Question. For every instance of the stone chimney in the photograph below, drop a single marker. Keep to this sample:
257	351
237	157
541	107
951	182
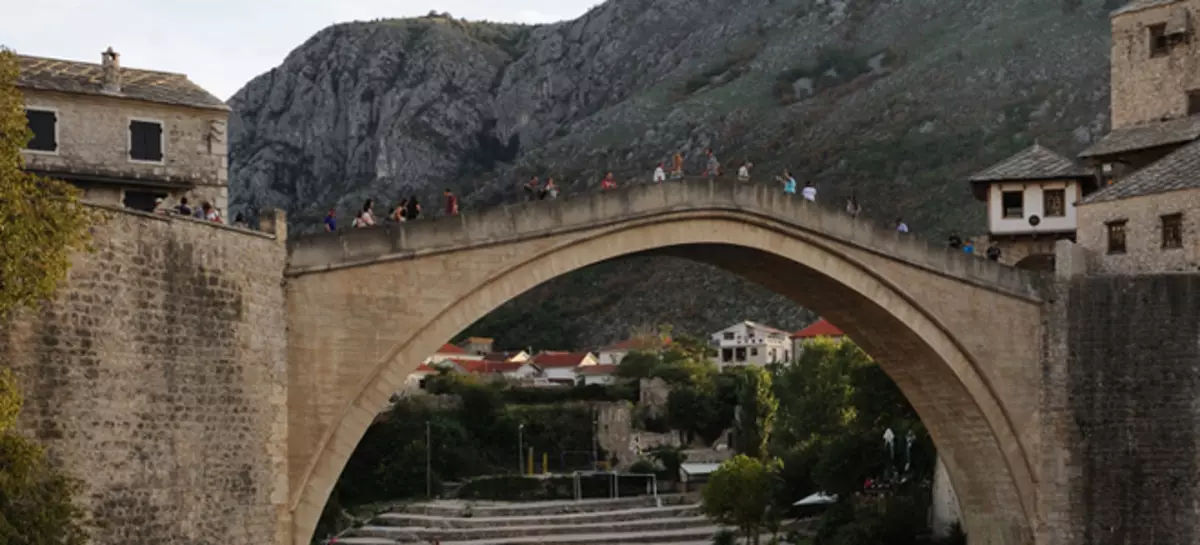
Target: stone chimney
110	61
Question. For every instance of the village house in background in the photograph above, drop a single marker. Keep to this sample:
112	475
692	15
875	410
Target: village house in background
1031	199
750	343
125	136
614	353
560	367
818	329
478	345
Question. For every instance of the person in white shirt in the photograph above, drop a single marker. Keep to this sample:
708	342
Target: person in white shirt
901	226
744	172
659	173
368	213
809	192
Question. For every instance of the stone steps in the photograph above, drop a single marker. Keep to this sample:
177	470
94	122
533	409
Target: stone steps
446	535
700	533
638	513
458	508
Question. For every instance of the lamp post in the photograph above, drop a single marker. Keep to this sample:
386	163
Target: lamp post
521	449
428	462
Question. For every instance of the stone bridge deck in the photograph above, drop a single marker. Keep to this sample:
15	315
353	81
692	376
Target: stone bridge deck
509	223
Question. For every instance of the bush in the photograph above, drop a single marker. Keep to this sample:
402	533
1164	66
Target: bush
643	466
724	537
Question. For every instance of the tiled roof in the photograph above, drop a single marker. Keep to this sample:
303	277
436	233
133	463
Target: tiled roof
1180	169
425	368
450	349
559	359
764	327
638	343
596	370
1033	163
821	328
1142	4
1146	136
86	78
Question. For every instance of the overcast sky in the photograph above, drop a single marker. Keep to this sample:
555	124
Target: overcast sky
221	44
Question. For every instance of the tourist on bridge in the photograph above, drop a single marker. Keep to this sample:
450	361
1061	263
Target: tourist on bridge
183	209
608	182
809	192
955	242
744	171
240	221
531	187
331	221
414	209
714	166
659	174
677	170
901	226
400	214
993	251
451	202
210	213
852	206
789	183
368	213
969	247
550	191
359	222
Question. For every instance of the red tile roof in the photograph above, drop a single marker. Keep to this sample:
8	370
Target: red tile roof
559	359
425	368
821	328
499	356
450	349
596	370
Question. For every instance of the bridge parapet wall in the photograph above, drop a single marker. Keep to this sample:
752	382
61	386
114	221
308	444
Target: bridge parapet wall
646	203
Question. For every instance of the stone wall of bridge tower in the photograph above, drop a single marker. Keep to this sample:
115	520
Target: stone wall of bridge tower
158	377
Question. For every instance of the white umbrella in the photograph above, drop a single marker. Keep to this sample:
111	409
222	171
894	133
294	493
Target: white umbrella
820	498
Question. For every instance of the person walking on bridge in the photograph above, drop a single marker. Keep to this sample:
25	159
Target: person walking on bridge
744	171
608	182
809	191
451	202
714	166
677	167
659	174
789	183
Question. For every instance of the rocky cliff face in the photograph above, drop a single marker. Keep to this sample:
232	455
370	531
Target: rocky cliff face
891	100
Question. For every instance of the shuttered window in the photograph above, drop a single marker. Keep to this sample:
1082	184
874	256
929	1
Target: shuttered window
42	123
145	141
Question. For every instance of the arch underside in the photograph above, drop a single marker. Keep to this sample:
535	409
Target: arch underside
986	463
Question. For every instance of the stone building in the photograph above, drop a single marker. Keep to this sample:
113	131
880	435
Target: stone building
1144	218
1031	199
126	136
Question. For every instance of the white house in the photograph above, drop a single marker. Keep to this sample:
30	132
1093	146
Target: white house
602	374
614	353
1031	200
560	367
751	343
819	328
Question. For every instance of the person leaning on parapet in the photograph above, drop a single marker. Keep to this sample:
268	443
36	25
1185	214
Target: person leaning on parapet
550	191
713	168
331	221
608	182
788	181
852	206
659	174
809	191
183	209
901	227
744	171
531	187
677	166
451	202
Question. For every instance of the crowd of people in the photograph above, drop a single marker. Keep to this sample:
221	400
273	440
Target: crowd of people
409	209
206	212
968	247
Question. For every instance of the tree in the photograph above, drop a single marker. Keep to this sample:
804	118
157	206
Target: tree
671	458
740	494
42	221
756	413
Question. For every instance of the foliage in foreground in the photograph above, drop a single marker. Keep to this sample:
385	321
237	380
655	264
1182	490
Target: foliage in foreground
42	221
741	493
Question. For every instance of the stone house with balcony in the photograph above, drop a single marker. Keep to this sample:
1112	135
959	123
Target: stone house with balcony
750	343
125	136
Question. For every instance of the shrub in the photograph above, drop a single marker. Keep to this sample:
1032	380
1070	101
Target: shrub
724	537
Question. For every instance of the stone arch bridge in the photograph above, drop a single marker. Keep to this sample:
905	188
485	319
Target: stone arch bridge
961	336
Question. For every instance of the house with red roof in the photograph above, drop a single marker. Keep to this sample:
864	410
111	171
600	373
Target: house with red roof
614	353
818	329
559	367
449	351
601	373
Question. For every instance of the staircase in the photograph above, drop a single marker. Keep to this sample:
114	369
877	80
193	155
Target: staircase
674	519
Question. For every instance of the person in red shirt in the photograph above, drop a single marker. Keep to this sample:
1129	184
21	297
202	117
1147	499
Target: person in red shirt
608	182
451	203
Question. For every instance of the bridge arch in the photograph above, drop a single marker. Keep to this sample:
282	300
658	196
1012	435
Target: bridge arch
983	448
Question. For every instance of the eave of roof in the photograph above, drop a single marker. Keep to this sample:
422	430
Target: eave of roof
1145	136
84	78
1175	172
1033	163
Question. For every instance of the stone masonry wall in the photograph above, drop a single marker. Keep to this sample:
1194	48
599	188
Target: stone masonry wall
1120	413
1143	233
1146	88
93	138
158	376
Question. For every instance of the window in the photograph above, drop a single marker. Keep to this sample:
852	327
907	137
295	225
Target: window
1054	203
728	335
753	351
44	124
1116	237
740	354
1013	204
1159	45
145	141
726	355
1172	231
1193	98
141	200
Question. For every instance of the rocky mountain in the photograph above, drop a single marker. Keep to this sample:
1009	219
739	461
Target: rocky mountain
891	100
